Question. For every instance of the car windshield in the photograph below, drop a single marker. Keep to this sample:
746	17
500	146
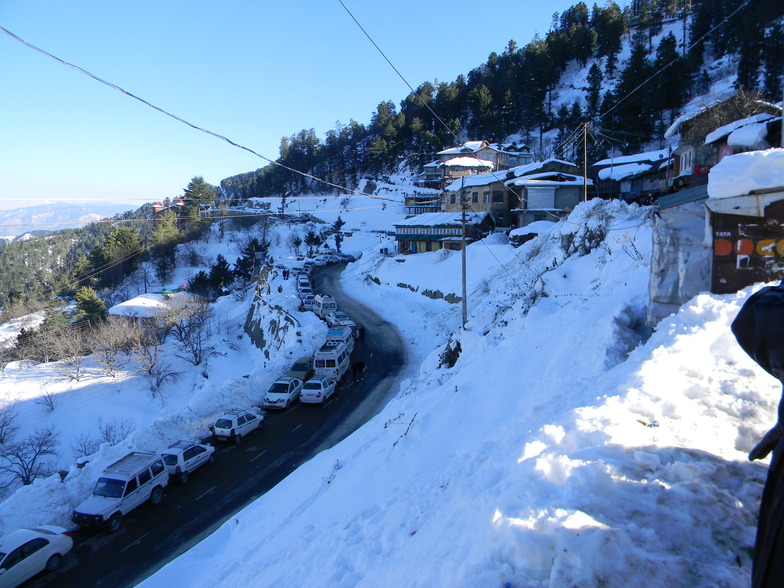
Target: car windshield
223	424
109	487
313	386
169	459
299	367
278	388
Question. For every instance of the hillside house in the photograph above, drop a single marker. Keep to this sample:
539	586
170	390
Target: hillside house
546	196
482	193
470	158
641	177
440	230
722	236
695	156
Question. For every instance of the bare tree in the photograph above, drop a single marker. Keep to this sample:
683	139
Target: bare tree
84	444
73	346
115	431
27	460
7	422
147	353
47	399
114	337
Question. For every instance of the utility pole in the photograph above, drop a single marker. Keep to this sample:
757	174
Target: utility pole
585	161
463	206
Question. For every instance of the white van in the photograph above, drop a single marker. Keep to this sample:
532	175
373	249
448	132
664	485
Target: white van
332	360
342	334
323	305
124	485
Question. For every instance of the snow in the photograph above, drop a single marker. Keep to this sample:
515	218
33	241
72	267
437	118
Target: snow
467	162
475	180
567	446
725	130
748	136
620	172
537	459
744	173
647	157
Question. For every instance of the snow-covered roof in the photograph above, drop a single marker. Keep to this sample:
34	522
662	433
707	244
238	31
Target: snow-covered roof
727	129
649	156
467	162
476	180
550	179
433	164
467	147
527	169
440	219
538	227
145	305
696	107
745	173
621	172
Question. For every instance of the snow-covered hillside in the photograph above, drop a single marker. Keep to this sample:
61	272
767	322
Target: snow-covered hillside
564	447
563	444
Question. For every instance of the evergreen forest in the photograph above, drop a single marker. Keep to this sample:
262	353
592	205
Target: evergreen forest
514	93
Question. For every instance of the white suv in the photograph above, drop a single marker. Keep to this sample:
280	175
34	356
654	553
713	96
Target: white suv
122	487
236	424
184	457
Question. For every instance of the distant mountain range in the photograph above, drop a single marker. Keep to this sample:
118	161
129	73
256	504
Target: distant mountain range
55	216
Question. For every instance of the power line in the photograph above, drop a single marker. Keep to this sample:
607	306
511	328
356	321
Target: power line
174	116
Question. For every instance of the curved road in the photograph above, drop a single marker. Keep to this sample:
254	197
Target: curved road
153	536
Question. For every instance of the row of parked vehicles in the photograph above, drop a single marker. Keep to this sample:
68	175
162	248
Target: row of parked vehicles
140	477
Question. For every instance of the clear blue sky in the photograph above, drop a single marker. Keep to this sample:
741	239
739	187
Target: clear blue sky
252	71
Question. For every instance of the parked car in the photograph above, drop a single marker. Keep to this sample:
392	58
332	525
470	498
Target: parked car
302	368
235	424
305	291
283	392
124	485
27	552
346	257
339	318
308	300
184	457
308	265
317	390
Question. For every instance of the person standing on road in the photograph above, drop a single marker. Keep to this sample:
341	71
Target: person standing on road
357	368
361	334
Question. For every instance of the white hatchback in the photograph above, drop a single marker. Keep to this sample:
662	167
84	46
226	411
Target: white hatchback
27	552
184	457
235	424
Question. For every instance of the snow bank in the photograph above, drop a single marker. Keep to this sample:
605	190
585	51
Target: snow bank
744	173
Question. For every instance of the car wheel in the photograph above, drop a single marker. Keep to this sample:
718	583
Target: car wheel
237	439
156	496
115	522
53	563
183	477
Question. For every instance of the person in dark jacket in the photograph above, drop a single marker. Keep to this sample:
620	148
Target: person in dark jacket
759	330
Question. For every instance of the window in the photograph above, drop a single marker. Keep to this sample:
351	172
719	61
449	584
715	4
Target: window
131	487
453	199
145	477
486	197
32	546
475	197
498	196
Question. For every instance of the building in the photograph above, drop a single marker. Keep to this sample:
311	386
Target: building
440	230
641	177
695	155
482	193
545	196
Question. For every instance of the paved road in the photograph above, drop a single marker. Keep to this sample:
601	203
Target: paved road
152	536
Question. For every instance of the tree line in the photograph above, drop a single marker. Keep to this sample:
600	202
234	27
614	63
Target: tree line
514	92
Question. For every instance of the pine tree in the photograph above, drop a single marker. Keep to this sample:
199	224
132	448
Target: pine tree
91	308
